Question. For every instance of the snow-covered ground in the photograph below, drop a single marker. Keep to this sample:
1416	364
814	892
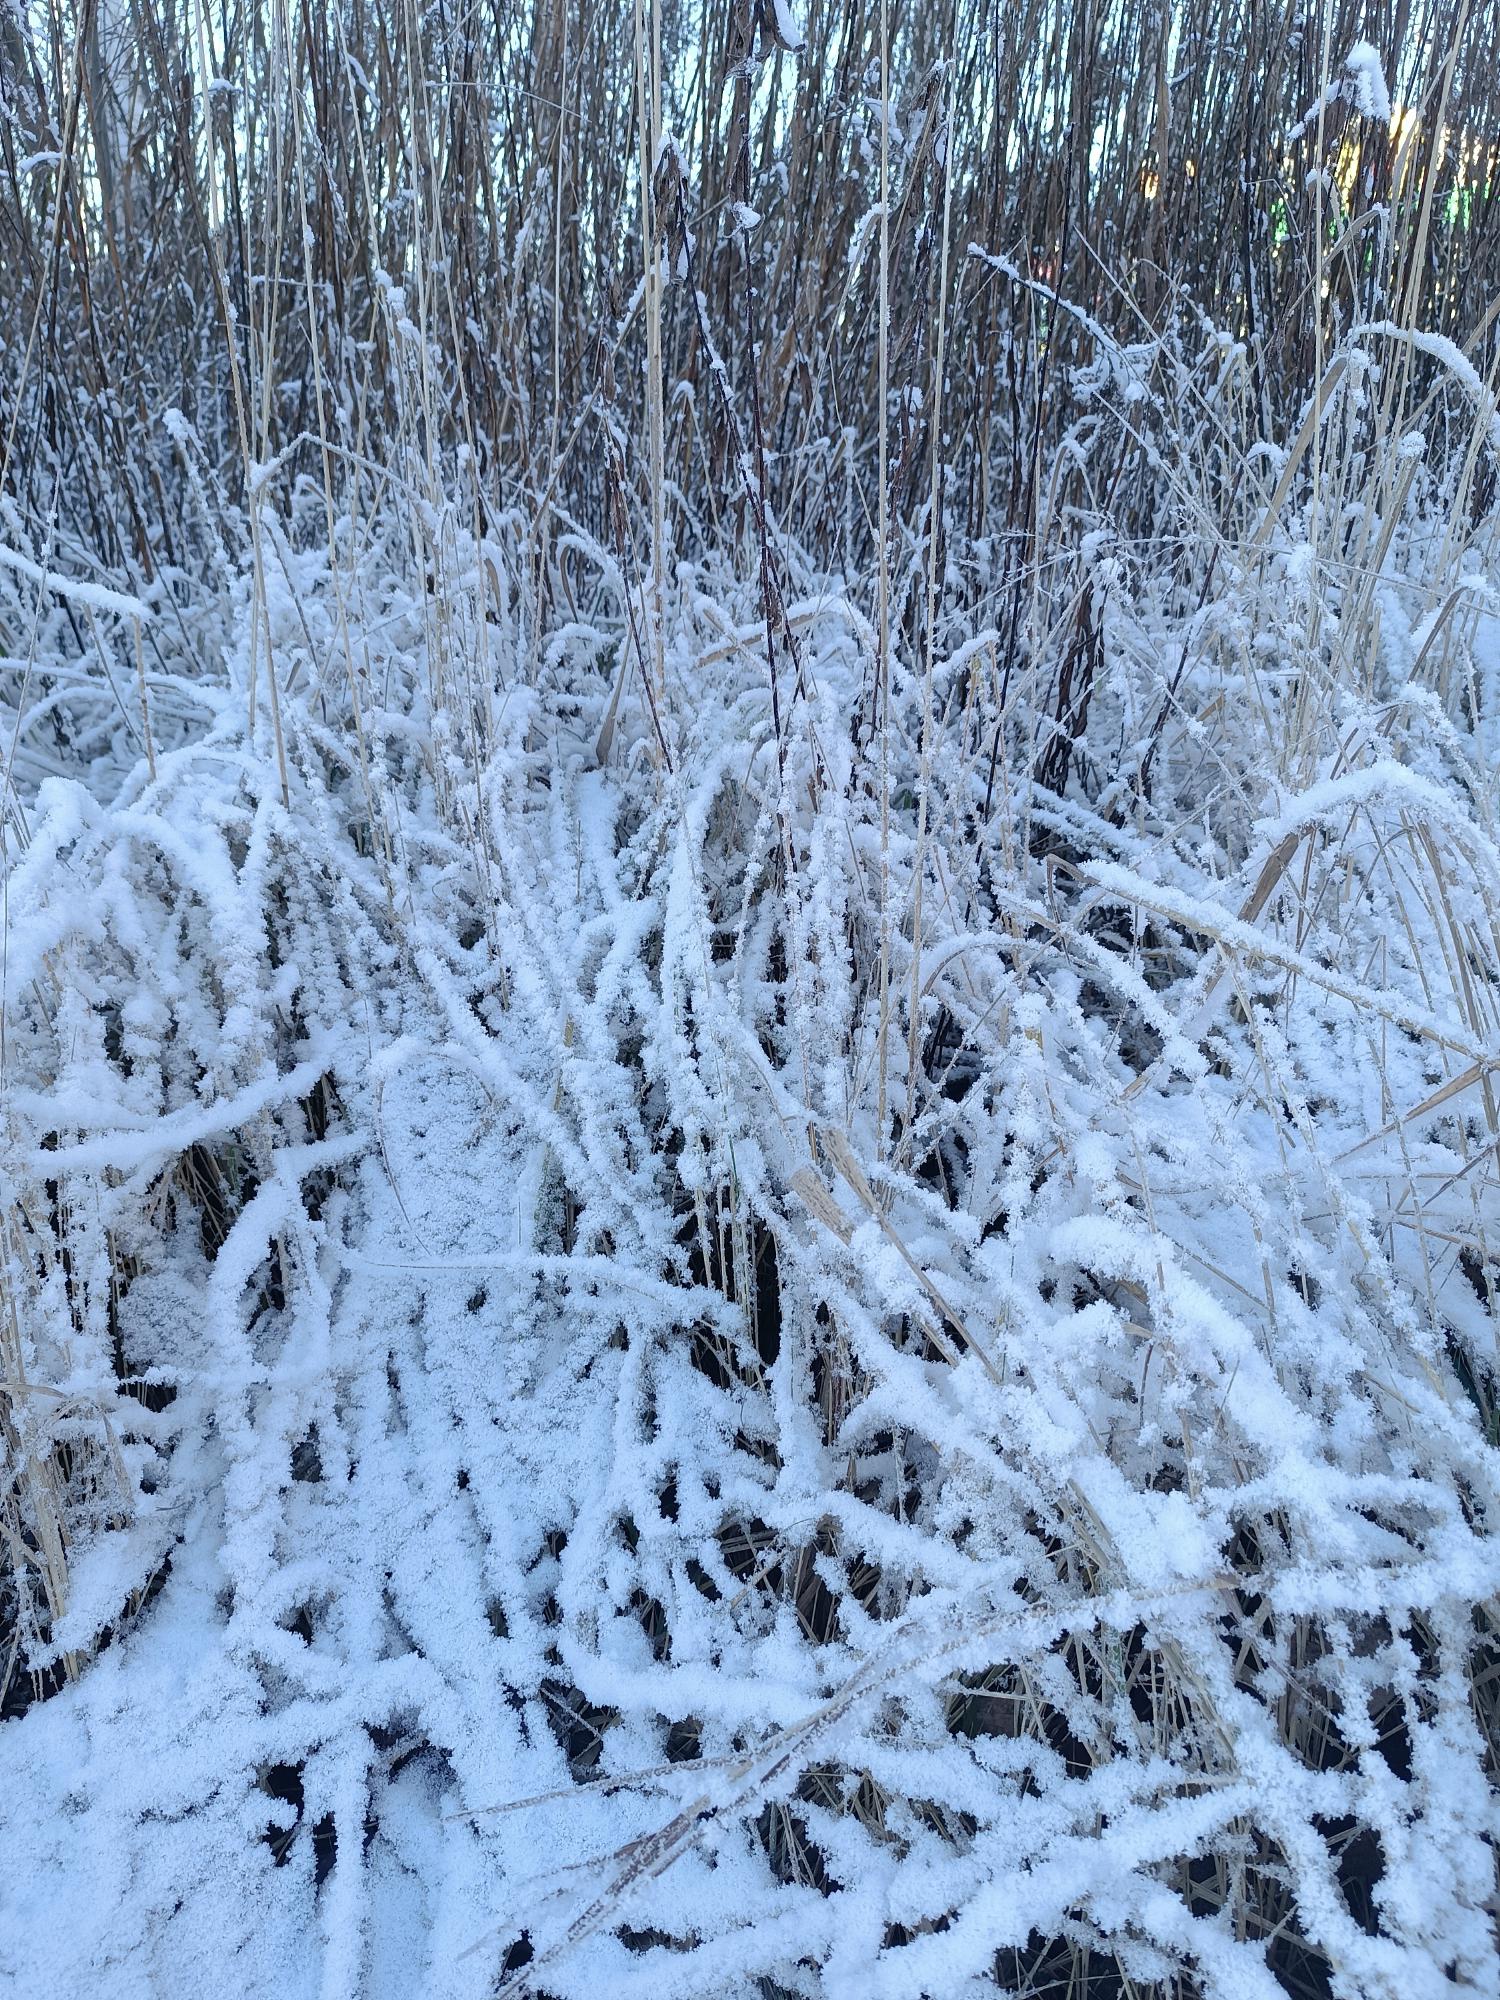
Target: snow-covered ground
758	1364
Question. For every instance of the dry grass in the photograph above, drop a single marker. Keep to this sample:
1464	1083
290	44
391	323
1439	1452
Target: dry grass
956	483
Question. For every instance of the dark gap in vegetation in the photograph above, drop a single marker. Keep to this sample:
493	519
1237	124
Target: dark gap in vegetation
578	1724
307	1460
284	1782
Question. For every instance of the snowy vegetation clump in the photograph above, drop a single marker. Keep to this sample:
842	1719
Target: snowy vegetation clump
751	1017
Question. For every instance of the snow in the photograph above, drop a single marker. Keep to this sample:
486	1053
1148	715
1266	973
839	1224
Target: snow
90	596
1372	98
787	33
1361	84
470	1397
575	1412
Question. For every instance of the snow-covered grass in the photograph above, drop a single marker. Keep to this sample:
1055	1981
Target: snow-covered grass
757	1263
513	1306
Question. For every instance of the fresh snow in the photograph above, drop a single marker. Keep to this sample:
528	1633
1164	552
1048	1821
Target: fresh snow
1362	84
1372	97
537	1326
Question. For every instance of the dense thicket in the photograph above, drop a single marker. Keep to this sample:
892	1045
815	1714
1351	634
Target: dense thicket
207	209
750	999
